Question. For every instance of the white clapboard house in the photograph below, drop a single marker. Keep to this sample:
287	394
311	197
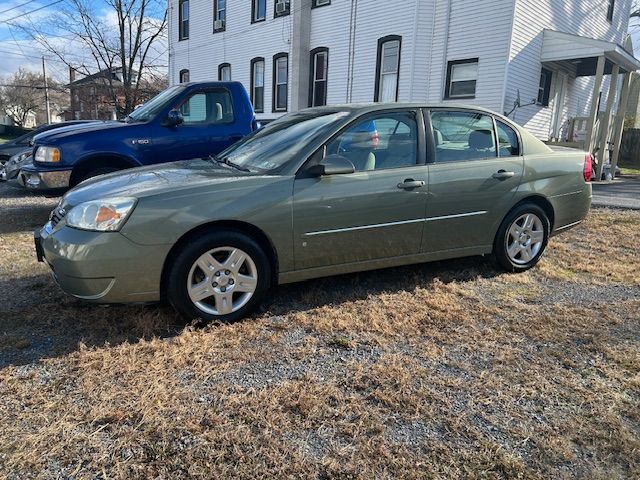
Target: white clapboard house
546	63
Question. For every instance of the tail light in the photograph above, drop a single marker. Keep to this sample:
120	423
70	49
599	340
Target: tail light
587	171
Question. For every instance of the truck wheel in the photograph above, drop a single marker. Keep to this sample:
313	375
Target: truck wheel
220	276
96	172
522	238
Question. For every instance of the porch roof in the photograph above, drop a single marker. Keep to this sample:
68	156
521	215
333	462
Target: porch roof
584	53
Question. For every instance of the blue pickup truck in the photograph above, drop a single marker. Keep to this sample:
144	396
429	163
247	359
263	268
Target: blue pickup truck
184	121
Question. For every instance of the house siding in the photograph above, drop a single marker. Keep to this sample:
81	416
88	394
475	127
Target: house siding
505	35
584	17
237	45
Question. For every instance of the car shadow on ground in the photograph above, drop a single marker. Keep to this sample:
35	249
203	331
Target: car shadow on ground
38	321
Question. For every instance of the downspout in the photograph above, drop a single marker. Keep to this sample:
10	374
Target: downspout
352	41
433	40
445	50
415	51
508	57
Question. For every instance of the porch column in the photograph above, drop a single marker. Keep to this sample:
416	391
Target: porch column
594	104
619	121
604	128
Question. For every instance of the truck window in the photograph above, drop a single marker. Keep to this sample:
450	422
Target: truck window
210	107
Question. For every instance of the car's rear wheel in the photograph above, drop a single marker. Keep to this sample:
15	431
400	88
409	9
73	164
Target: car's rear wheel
220	276
522	238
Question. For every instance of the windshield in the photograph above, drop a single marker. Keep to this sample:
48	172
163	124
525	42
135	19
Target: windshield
280	141
151	108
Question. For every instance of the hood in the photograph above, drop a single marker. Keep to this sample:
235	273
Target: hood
75	127
153	180
59	134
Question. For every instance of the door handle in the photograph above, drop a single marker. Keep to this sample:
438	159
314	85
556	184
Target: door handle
410	183
503	175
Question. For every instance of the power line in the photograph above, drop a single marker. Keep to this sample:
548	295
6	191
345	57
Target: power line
31	11
17	6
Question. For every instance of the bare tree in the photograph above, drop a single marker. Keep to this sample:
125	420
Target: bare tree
118	36
22	94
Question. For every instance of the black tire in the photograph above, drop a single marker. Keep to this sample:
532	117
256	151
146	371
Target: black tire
526	258
179	274
97	172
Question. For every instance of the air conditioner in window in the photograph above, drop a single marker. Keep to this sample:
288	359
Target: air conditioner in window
281	6
218	24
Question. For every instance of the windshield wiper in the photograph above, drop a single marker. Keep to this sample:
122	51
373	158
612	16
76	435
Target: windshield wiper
226	161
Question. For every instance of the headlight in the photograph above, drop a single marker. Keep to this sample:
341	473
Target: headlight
105	215
47	154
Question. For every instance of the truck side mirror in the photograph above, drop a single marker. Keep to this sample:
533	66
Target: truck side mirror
174	118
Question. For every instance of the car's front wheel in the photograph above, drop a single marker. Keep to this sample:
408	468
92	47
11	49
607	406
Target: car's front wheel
221	276
522	238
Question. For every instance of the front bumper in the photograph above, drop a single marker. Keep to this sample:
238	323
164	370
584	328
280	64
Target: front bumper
34	178
102	267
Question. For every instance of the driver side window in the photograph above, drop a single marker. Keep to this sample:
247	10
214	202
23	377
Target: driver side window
207	108
380	142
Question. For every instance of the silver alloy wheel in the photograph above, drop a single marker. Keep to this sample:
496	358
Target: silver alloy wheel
222	280
524	238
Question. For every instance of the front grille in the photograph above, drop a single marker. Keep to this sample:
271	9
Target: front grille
57	214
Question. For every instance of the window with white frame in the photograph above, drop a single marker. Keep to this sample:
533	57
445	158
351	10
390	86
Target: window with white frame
257	84
184	76
280	82
462	77
219	15
319	66
388	69
183	20
224	72
258	10
544	89
320	3
610	9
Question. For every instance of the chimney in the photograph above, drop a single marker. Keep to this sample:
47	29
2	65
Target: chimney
72	75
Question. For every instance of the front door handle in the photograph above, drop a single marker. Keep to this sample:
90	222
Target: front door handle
503	175
410	183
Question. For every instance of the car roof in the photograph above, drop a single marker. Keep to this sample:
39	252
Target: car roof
364	107
358	109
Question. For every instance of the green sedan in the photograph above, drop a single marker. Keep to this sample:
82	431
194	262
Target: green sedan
320	192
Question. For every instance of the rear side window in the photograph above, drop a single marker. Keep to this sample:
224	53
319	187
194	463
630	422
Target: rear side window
507	140
463	136
210	107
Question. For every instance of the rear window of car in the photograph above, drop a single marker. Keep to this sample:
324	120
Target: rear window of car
463	136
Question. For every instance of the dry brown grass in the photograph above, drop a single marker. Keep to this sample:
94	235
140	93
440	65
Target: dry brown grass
450	370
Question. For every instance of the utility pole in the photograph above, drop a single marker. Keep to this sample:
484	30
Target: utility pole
46	89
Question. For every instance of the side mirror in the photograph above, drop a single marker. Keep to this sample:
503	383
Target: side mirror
332	165
174	118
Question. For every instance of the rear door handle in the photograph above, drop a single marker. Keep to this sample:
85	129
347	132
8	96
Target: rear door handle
503	175
410	183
